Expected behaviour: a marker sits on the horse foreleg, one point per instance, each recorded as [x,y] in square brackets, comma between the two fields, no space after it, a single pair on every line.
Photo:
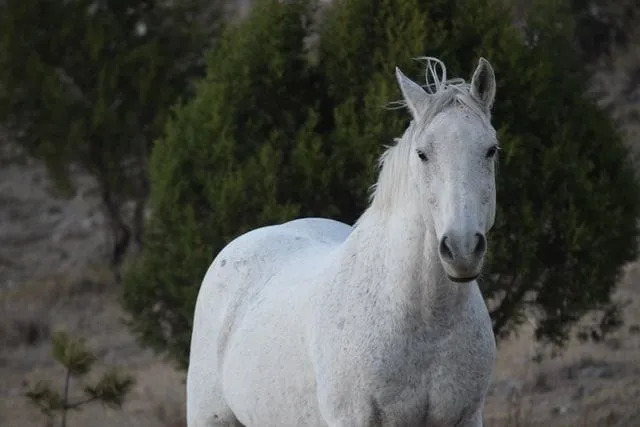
[476,419]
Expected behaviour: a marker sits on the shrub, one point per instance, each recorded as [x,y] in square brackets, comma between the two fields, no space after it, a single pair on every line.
[277,131]
[224,165]
[77,360]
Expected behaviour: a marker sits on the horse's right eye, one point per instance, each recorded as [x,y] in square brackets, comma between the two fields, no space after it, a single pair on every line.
[422,156]
[492,151]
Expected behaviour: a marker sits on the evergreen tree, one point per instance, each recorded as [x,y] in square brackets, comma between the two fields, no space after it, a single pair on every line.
[603,25]
[228,162]
[91,82]
[277,132]
[111,389]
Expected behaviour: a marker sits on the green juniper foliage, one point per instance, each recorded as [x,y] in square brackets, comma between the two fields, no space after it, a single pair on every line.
[91,82]
[226,163]
[111,389]
[602,25]
[288,125]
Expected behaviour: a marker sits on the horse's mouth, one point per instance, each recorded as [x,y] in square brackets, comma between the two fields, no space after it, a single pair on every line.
[462,279]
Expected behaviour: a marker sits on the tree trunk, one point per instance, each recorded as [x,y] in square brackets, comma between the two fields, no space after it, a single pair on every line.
[141,199]
[120,231]
[138,222]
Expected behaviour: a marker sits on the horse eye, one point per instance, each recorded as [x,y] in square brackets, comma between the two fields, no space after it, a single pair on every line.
[492,151]
[422,156]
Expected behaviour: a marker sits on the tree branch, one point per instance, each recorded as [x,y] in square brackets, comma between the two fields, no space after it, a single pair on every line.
[65,397]
[81,402]
[506,308]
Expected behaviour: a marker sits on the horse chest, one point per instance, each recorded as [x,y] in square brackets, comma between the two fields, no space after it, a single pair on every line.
[434,378]
[458,378]
[439,383]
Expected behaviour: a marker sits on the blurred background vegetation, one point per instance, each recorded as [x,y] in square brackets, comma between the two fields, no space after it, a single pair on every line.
[198,127]
[92,83]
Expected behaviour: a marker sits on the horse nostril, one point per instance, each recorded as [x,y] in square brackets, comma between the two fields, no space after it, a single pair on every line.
[445,251]
[481,245]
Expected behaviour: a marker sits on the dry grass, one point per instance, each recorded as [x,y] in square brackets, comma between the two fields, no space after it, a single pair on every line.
[590,384]
[85,305]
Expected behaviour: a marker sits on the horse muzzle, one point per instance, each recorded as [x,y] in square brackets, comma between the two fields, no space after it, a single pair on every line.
[462,255]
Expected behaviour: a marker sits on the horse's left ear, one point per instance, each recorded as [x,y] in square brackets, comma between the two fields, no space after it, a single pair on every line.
[483,83]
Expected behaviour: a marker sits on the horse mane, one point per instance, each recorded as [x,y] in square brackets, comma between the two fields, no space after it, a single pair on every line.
[443,94]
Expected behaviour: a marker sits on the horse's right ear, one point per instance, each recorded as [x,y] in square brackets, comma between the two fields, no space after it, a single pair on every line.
[483,84]
[415,97]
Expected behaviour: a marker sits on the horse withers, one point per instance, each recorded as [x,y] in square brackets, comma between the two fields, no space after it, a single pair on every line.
[316,323]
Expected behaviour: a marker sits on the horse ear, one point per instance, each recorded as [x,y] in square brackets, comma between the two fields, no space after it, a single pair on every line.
[483,83]
[415,97]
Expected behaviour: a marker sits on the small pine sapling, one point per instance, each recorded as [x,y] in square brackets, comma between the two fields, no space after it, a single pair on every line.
[72,353]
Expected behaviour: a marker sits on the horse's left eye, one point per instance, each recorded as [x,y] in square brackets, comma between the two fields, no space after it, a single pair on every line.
[492,151]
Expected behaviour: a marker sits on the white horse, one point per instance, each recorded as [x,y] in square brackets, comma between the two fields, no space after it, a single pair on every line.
[315,323]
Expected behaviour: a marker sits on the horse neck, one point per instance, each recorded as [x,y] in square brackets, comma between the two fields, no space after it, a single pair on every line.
[401,249]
